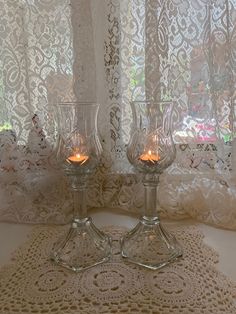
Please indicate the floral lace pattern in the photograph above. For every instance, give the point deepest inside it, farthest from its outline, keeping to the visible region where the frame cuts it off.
(114, 52)
(32, 283)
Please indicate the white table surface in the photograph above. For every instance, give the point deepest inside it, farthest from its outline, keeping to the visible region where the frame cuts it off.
(223, 241)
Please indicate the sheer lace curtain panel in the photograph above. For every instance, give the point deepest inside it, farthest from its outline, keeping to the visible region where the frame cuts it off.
(112, 52)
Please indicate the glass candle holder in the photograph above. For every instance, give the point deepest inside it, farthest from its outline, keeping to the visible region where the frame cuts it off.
(151, 150)
(79, 151)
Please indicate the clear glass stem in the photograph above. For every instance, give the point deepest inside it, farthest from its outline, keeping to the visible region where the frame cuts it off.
(79, 188)
(148, 244)
(84, 245)
(150, 183)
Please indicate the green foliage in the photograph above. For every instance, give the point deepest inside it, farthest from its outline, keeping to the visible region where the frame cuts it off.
(5, 126)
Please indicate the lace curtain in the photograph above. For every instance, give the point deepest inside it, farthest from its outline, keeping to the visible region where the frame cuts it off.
(113, 51)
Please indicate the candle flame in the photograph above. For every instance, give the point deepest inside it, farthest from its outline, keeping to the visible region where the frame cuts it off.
(149, 156)
(77, 159)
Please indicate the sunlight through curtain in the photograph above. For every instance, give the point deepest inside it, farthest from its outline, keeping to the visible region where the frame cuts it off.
(115, 51)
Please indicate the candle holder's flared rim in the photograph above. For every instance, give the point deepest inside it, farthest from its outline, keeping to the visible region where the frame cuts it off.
(145, 103)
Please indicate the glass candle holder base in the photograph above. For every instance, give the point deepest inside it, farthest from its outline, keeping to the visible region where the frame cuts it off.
(83, 247)
(150, 245)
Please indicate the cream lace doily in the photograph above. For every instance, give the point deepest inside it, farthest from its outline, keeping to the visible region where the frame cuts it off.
(33, 284)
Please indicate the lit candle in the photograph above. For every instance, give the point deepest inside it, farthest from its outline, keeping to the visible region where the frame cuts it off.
(78, 159)
(150, 157)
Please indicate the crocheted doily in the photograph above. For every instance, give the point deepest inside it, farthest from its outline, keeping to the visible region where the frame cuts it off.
(34, 284)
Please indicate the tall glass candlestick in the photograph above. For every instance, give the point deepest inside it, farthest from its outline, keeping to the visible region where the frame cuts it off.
(151, 150)
(79, 152)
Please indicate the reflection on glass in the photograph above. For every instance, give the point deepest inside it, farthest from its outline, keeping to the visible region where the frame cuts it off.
(151, 150)
(79, 151)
